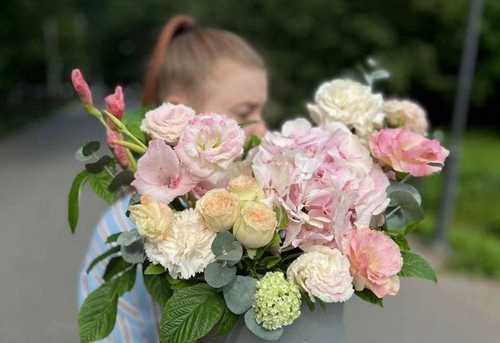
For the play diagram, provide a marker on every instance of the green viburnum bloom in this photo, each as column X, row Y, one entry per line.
column 277, row 301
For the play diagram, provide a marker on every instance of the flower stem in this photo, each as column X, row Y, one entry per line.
column 123, row 129
column 134, row 147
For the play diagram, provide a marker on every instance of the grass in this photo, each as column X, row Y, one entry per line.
column 475, row 231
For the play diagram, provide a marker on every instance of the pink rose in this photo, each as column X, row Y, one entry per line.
column 115, row 103
column 160, row 174
column 167, row 122
column 81, row 87
column 209, row 144
column 408, row 152
column 375, row 261
column 118, row 151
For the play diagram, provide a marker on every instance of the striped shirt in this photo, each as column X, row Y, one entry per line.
column 137, row 319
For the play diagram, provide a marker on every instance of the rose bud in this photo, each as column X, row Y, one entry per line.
column 81, row 87
column 115, row 103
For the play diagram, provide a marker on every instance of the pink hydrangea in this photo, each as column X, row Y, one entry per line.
column 118, row 151
column 408, row 152
column 375, row 261
column 209, row 144
column 325, row 179
column 167, row 121
column 81, row 87
column 160, row 174
column 115, row 103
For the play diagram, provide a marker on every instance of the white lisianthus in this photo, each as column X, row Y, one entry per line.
column 323, row 273
column 153, row 218
column 186, row 249
column 348, row 102
column 219, row 209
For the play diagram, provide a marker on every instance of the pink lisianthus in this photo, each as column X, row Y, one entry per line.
column 408, row 152
column 209, row 144
column 375, row 261
column 167, row 122
column 118, row 151
column 160, row 174
column 81, row 87
column 115, row 103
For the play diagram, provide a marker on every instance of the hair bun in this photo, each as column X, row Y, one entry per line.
column 172, row 28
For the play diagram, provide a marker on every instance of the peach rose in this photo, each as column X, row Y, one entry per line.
column 408, row 152
column 375, row 261
column 255, row 226
column 245, row 188
column 219, row 209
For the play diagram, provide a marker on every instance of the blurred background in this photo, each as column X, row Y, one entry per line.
column 419, row 42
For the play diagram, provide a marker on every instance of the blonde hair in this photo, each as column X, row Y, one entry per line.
column 184, row 55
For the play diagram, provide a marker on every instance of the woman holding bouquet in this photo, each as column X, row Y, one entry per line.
column 210, row 70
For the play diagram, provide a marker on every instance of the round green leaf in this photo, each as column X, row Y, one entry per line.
column 128, row 237
column 123, row 178
column 233, row 254
column 217, row 275
column 259, row 331
column 90, row 148
column 133, row 253
column 222, row 243
column 98, row 166
column 240, row 294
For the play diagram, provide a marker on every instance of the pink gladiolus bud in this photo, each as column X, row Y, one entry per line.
column 81, row 87
column 118, row 151
column 115, row 103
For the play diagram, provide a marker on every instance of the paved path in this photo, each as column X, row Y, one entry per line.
column 39, row 259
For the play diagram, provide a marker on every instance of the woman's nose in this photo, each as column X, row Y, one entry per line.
column 257, row 129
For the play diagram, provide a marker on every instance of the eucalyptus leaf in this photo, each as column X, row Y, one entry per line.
column 233, row 255
column 223, row 242
column 98, row 166
column 240, row 294
column 128, row 237
column 404, row 205
column 190, row 314
column 133, row 253
column 217, row 275
column 74, row 199
column 91, row 147
column 123, row 178
column 416, row 266
column 258, row 330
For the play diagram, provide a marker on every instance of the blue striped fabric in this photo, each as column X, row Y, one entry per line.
column 137, row 318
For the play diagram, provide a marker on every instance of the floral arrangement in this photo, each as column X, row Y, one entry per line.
column 229, row 226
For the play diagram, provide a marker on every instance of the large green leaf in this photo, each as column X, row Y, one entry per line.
column 98, row 313
column 102, row 257
column 190, row 314
column 227, row 322
column 416, row 266
column 154, row 269
column 158, row 287
column 368, row 296
column 99, row 183
column 74, row 199
column 133, row 120
column 125, row 282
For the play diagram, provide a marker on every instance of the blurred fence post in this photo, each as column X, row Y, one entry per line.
column 52, row 57
column 459, row 120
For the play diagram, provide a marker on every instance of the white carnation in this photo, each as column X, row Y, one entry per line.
column 348, row 102
column 186, row 247
column 323, row 273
